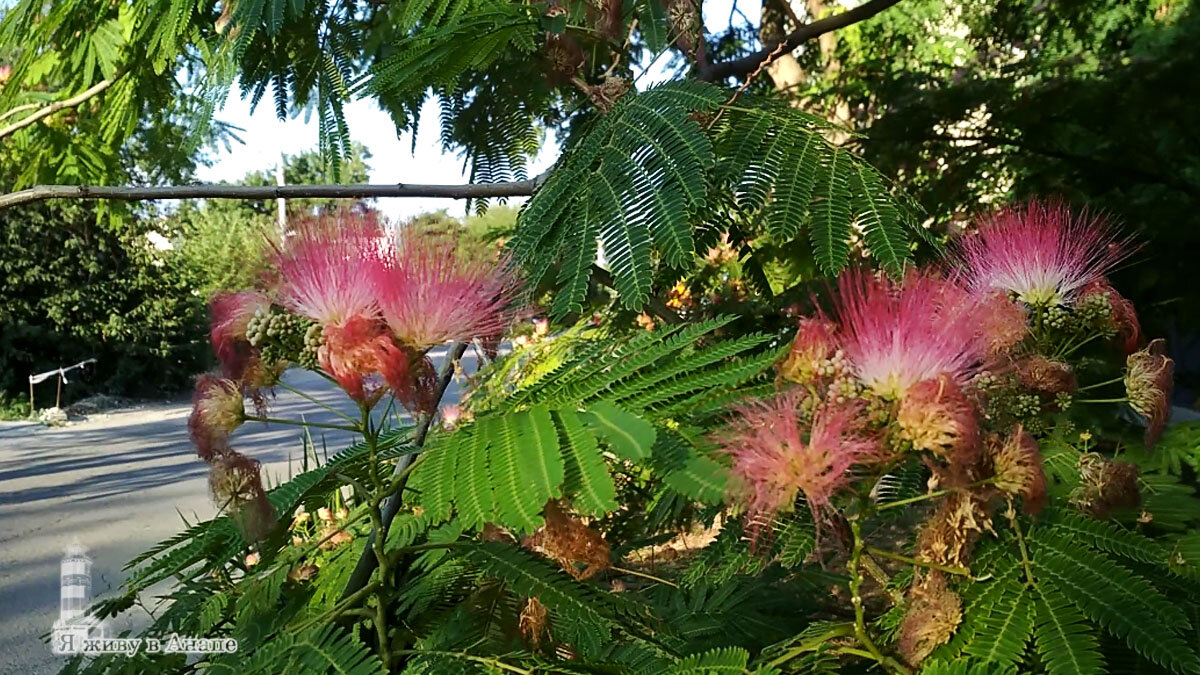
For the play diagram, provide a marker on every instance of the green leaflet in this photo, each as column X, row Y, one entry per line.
column 587, row 480
column 628, row 435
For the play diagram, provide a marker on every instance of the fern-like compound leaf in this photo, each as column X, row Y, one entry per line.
column 1065, row 641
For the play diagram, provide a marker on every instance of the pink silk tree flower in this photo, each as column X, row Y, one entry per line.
column 357, row 349
column 325, row 274
column 231, row 312
column 776, row 455
column 1040, row 251
column 431, row 292
column 899, row 334
column 326, row 267
column 1001, row 322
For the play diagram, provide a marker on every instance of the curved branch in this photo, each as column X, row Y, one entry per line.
column 520, row 188
column 78, row 99
column 20, row 109
column 748, row 64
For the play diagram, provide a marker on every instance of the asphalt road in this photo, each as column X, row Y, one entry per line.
column 118, row 483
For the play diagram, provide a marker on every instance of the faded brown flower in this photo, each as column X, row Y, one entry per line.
column 534, row 622
column 1105, row 485
column 581, row 551
column 1046, row 376
column 934, row 612
column 947, row 537
column 1149, row 375
column 1018, row 468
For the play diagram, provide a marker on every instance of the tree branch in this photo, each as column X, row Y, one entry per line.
column 78, row 99
column 748, row 64
column 37, row 193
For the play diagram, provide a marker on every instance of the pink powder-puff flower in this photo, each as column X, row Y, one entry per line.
column 776, row 455
column 1040, row 251
column 1123, row 316
column 1149, row 374
column 231, row 312
column 358, row 348
column 812, row 351
column 430, row 292
column 899, row 334
column 217, row 409
column 326, row 272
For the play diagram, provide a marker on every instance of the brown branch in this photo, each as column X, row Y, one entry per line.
column 78, row 99
column 748, row 64
column 520, row 188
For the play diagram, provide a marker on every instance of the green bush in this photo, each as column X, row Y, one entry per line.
column 76, row 288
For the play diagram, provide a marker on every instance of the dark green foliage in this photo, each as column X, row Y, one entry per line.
column 1075, row 594
column 75, row 288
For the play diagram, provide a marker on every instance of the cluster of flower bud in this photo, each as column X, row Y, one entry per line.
column 282, row 336
column 844, row 387
column 1092, row 313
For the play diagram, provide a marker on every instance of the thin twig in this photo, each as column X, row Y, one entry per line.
column 961, row 571
column 313, row 399
column 643, row 575
column 321, row 425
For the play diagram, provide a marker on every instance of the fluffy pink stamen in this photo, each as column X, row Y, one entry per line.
column 775, row 455
column 899, row 334
column 430, row 293
column 326, row 269
column 1040, row 251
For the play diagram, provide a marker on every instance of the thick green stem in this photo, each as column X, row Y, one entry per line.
column 1102, row 400
column 1102, row 384
column 495, row 663
column 814, row 643
column 392, row 502
column 341, row 607
column 1025, row 561
column 912, row 500
column 856, row 582
column 643, row 575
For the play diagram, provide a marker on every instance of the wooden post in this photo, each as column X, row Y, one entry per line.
column 58, row 397
column 31, row 408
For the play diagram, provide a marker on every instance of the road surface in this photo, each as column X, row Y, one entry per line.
column 118, row 483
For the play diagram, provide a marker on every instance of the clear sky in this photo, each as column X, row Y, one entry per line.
column 392, row 157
